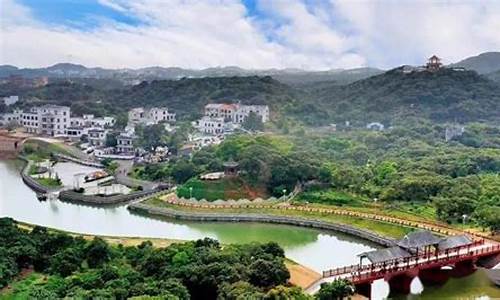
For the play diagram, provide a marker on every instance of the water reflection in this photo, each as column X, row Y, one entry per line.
column 316, row 249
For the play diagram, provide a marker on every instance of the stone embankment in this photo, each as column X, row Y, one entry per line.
column 75, row 197
column 425, row 225
column 261, row 218
column 32, row 183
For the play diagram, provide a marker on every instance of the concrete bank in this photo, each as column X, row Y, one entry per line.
column 31, row 182
column 262, row 218
column 74, row 197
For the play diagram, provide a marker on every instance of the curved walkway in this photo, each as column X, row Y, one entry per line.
column 262, row 218
column 435, row 227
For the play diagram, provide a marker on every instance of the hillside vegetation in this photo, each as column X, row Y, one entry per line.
column 389, row 98
column 442, row 96
column 59, row 266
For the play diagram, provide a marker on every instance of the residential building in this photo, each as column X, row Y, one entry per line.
column 97, row 137
column 10, row 100
column 75, row 133
column 10, row 118
column 125, row 144
column 236, row 113
column 150, row 116
column 29, row 120
column 211, row 125
column 92, row 121
column 52, row 120
column 160, row 114
column 375, row 126
column 453, row 131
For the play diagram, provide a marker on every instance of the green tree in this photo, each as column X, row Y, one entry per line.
column 111, row 139
column 266, row 273
column 253, row 122
column 337, row 289
column 183, row 170
column 97, row 252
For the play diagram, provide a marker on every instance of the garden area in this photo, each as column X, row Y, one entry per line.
column 226, row 188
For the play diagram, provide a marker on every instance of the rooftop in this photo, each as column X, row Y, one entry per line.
column 418, row 239
column 381, row 255
column 454, row 241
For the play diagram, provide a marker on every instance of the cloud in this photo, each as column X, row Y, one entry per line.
column 276, row 34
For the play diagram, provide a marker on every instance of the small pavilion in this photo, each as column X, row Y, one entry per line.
column 434, row 63
column 414, row 243
column 230, row 168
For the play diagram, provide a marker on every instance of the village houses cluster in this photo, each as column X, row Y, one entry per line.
column 223, row 118
column 219, row 120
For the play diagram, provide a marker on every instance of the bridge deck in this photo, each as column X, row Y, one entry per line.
column 367, row 273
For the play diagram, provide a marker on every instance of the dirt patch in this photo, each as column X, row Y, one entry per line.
column 300, row 275
column 22, row 275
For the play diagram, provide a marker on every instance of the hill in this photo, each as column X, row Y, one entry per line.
column 495, row 76
column 446, row 95
column 186, row 97
column 483, row 63
column 442, row 96
column 134, row 76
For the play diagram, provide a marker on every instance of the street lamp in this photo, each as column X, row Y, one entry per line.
column 284, row 193
column 464, row 217
column 190, row 192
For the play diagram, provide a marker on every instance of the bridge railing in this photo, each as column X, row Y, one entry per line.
column 433, row 261
column 394, row 262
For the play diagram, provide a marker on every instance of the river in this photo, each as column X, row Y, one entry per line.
column 316, row 249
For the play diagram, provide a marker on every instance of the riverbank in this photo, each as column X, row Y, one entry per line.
column 126, row 241
column 300, row 275
column 376, row 222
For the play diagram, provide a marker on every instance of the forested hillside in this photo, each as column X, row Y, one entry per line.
column 391, row 97
column 59, row 266
column 441, row 96
column 186, row 97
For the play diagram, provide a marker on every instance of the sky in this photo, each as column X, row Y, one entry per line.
column 253, row 34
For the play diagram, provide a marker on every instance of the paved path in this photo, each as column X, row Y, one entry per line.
column 124, row 167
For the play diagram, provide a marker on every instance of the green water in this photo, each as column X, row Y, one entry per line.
column 316, row 249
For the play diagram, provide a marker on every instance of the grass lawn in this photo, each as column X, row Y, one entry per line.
column 37, row 150
column 332, row 197
column 379, row 227
column 19, row 289
column 226, row 188
column 49, row 182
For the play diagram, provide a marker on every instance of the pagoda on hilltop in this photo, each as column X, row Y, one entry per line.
column 434, row 63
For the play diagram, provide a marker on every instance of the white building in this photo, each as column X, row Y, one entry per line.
column 211, row 125
column 10, row 100
column 150, row 116
column 236, row 113
column 75, row 133
column 92, row 121
column 160, row 114
column 125, row 144
column 97, row 137
column 375, row 126
column 52, row 120
column 13, row 117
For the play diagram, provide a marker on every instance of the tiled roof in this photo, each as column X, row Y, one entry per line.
column 385, row 254
column 418, row 239
column 454, row 241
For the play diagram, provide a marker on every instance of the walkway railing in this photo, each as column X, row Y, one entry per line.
column 357, row 273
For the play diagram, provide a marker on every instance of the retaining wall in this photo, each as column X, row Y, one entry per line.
column 211, row 217
column 31, row 182
column 72, row 196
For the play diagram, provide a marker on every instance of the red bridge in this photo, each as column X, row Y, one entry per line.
column 400, row 270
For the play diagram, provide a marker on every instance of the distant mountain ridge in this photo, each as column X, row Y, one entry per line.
column 134, row 76
column 483, row 63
